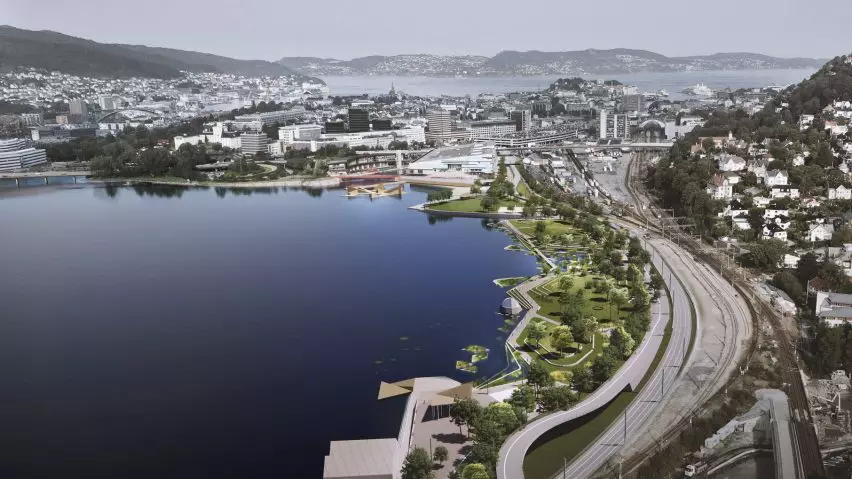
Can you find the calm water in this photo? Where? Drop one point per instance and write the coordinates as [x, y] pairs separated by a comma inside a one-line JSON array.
[[647, 82], [185, 333]]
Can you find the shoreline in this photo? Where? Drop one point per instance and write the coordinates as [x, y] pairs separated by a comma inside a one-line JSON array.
[[292, 183]]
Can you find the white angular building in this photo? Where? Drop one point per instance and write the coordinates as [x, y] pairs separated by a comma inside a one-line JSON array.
[[16, 154]]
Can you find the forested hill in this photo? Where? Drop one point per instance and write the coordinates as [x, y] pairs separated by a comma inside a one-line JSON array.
[[833, 82], [77, 56]]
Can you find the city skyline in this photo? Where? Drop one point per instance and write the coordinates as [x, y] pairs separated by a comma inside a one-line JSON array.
[[386, 29]]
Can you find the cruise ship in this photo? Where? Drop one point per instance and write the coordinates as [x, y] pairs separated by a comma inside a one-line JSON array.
[[698, 90]]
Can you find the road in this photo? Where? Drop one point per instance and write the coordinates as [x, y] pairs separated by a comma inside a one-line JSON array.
[[514, 450]]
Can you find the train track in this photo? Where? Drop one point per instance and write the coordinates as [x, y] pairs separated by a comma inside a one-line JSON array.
[[807, 441]]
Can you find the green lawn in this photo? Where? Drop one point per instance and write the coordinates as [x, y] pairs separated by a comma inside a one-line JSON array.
[[545, 460], [557, 362], [472, 205], [524, 190], [554, 227], [547, 297]]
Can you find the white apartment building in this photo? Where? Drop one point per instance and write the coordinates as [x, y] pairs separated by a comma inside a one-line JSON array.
[[840, 193], [490, 129], [16, 154], [292, 133], [252, 143], [613, 126], [272, 117]]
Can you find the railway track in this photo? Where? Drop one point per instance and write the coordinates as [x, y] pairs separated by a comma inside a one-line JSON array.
[[807, 441]]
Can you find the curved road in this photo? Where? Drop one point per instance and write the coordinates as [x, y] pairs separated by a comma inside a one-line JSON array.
[[512, 454]]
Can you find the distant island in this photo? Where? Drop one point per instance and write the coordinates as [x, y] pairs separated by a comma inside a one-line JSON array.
[[513, 63], [54, 51]]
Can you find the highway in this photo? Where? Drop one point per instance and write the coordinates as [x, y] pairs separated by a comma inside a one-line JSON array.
[[512, 454]]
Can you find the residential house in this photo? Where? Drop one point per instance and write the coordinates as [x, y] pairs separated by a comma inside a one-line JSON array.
[[734, 209], [758, 167], [791, 261], [771, 213], [784, 192], [776, 178], [840, 193], [835, 309], [820, 232], [805, 121], [811, 203], [761, 201], [773, 231], [731, 177], [782, 222], [731, 162], [720, 189], [799, 160], [741, 223]]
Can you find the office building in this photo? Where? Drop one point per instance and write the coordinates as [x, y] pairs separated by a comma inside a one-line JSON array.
[[259, 120], [542, 107], [383, 124], [487, 129], [613, 126], [32, 119], [440, 125], [522, 119], [253, 143], [335, 127], [16, 154], [358, 120], [633, 103], [478, 158], [109, 102], [293, 133], [78, 111]]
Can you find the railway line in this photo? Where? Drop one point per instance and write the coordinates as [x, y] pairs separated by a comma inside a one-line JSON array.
[[809, 456]]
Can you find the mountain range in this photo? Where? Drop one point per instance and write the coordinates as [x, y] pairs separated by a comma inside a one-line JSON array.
[[592, 62], [78, 56], [55, 51]]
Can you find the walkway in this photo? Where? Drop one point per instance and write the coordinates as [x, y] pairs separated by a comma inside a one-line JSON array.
[[514, 450]]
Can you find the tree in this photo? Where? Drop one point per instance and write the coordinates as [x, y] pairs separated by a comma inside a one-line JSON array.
[[767, 254], [540, 227], [523, 397], [603, 367], [583, 379], [622, 342], [538, 376], [441, 454], [561, 338], [557, 398], [475, 471], [537, 332], [584, 328], [488, 203], [463, 412], [618, 297], [417, 465], [566, 282]]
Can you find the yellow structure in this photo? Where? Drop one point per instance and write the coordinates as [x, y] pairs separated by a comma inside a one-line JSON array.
[[375, 191]]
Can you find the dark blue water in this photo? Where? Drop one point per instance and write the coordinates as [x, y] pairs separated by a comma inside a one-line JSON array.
[[190, 334]]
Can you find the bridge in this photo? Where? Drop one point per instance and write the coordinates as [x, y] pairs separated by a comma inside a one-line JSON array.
[[125, 110], [22, 177]]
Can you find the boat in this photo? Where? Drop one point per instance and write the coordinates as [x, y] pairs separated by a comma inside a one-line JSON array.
[[698, 90]]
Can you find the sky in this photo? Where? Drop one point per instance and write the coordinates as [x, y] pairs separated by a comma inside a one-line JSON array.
[[345, 29]]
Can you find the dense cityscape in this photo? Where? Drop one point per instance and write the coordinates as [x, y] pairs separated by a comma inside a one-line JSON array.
[[669, 272]]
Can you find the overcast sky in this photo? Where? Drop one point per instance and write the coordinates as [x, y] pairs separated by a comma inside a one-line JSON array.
[[271, 29]]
